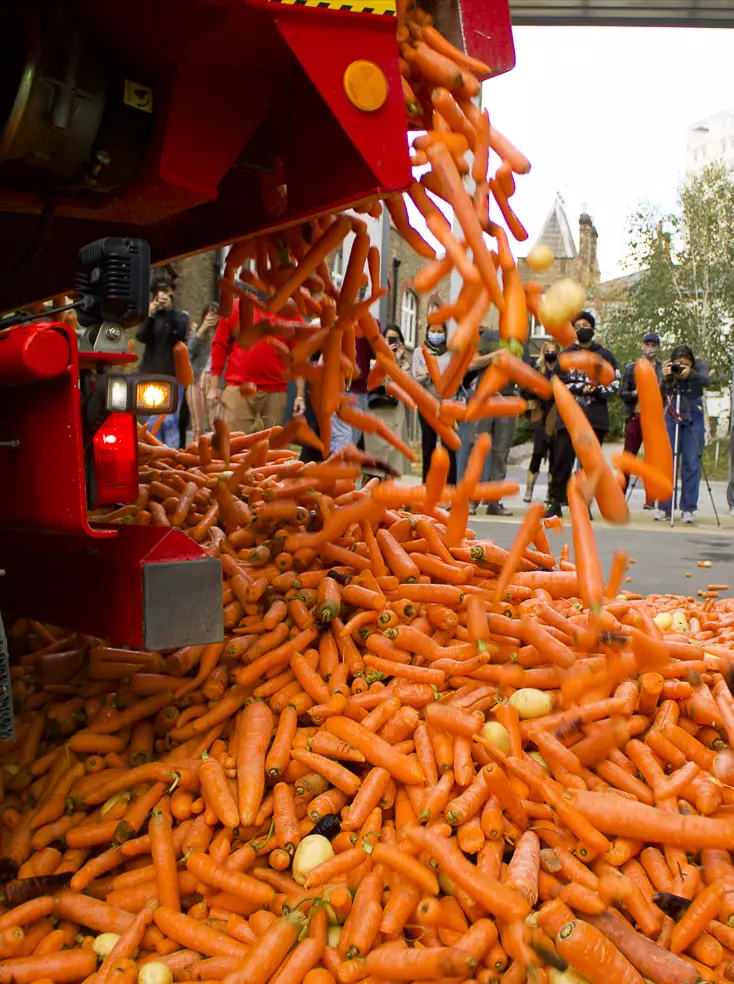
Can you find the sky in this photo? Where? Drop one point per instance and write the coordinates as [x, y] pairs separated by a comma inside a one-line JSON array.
[[602, 115]]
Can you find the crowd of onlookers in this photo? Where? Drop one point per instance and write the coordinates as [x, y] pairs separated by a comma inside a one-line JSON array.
[[248, 387]]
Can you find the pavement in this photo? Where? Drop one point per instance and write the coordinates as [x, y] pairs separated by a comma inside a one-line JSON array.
[[663, 556]]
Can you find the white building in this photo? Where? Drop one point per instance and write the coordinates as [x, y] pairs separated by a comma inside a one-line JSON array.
[[710, 140]]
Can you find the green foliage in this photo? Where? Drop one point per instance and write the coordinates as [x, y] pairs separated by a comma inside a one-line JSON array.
[[684, 289]]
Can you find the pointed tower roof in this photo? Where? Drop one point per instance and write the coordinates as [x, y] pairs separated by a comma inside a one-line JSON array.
[[556, 232]]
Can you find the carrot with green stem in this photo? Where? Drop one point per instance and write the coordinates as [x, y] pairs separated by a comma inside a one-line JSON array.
[[522, 540]]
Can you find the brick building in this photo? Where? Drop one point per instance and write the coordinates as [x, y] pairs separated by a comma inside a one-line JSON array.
[[569, 261]]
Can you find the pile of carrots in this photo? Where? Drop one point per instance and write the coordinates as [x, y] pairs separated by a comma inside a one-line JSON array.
[[415, 756]]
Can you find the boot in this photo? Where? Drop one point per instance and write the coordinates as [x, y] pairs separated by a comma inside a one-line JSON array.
[[531, 480]]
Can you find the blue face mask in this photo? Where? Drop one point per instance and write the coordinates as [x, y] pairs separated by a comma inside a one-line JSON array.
[[436, 338]]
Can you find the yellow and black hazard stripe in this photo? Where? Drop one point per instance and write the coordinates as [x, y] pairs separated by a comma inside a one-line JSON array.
[[380, 7]]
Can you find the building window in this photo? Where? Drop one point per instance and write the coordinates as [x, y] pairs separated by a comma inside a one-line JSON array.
[[433, 306], [409, 317], [337, 269], [536, 329]]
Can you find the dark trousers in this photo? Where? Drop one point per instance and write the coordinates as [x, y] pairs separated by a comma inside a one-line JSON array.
[[633, 442], [184, 419], [429, 439], [542, 448], [563, 459]]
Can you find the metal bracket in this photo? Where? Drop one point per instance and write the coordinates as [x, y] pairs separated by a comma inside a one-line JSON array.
[[107, 337]]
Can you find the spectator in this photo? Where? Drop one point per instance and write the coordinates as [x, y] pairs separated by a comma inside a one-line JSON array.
[[593, 400], [628, 393], [344, 434], [158, 334], [200, 353], [684, 382], [260, 365], [730, 486], [436, 345], [500, 429], [468, 428], [388, 409], [542, 415]]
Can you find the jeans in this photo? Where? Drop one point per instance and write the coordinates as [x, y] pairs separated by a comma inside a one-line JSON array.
[[501, 430], [169, 431], [690, 449], [343, 434], [467, 432]]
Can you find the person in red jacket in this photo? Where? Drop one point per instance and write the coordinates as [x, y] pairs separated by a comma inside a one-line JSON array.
[[261, 365]]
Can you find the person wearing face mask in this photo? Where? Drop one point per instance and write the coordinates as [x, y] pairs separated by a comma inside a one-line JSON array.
[[388, 409], [593, 400], [684, 380], [628, 394], [436, 344], [542, 415]]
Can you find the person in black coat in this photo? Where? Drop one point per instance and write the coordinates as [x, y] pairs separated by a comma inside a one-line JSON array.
[[593, 400], [628, 395], [542, 417], [163, 327]]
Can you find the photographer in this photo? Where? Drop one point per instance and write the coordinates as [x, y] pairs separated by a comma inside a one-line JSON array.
[[684, 382], [158, 334]]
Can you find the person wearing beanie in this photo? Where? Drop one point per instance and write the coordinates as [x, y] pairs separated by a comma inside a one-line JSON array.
[[628, 394], [593, 400]]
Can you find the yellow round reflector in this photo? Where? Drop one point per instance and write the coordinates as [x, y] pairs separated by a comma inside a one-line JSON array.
[[365, 85]]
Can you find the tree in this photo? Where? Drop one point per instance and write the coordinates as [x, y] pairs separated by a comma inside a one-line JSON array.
[[684, 289]]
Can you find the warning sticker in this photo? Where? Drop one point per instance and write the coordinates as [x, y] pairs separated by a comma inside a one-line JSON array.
[[383, 7], [138, 96]]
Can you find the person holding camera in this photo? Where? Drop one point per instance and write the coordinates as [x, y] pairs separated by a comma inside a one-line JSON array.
[[628, 394], [684, 382], [158, 334]]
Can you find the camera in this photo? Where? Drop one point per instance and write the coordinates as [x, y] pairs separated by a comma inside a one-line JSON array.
[[677, 368]]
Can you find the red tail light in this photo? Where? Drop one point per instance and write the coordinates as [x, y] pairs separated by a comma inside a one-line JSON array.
[[116, 460]]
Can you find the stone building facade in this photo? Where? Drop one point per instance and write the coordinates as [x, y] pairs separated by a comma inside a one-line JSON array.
[[569, 261]]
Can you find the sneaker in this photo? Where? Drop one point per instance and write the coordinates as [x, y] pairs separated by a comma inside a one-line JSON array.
[[553, 509], [498, 509], [661, 516], [688, 518], [649, 506]]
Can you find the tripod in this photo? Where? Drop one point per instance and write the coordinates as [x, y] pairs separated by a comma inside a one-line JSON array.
[[676, 466]]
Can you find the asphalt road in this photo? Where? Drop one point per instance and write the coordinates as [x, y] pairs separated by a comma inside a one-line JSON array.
[[662, 556]]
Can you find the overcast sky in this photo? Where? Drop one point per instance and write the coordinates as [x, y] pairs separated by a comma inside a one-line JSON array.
[[602, 114]]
